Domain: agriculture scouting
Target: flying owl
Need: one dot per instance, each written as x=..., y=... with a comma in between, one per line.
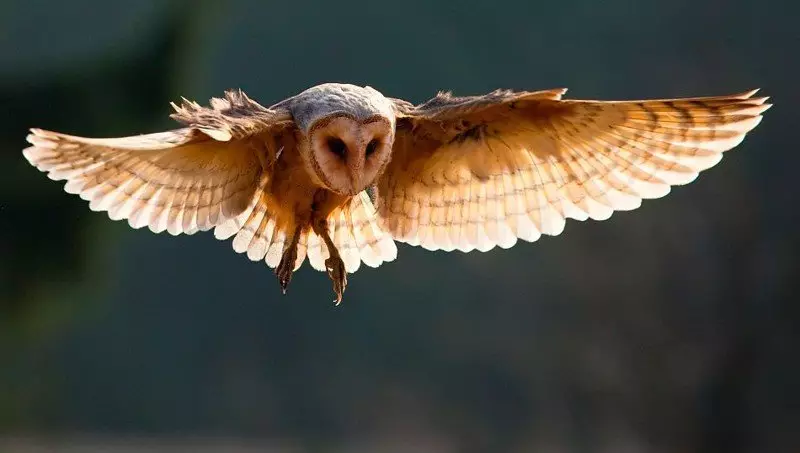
x=338, y=172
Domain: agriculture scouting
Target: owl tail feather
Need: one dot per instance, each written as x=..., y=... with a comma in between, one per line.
x=353, y=227
x=355, y=231
x=260, y=234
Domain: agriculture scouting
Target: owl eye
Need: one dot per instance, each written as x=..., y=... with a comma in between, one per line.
x=372, y=146
x=337, y=146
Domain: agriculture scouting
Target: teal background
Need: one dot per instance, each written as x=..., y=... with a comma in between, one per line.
x=673, y=328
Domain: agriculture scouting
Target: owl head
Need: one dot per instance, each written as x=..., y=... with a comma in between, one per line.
x=347, y=135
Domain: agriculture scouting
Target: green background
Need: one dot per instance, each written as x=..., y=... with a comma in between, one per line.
x=672, y=328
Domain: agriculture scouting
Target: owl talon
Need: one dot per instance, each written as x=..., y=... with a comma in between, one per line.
x=285, y=269
x=284, y=272
x=337, y=274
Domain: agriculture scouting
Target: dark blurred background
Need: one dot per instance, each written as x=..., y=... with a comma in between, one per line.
x=673, y=328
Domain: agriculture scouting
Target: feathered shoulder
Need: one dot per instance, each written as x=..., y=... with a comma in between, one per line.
x=232, y=116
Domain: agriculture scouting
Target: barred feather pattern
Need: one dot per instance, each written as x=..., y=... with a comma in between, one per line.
x=356, y=233
x=178, y=181
x=260, y=232
x=519, y=170
x=353, y=227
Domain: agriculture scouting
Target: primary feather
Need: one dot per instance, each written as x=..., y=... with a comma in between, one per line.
x=467, y=174
x=178, y=181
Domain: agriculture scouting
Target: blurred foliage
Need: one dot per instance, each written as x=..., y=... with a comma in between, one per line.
x=666, y=329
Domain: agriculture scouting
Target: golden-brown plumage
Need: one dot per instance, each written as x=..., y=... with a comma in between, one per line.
x=470, y=174
x=290, y=181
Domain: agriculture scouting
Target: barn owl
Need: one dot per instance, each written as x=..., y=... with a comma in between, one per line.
x=338, y=173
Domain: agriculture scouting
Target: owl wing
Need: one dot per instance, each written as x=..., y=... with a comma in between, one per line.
x=478, y=172
x=182, y=180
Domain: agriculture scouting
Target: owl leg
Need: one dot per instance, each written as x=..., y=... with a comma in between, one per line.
x=285, y=268
x=334, y=265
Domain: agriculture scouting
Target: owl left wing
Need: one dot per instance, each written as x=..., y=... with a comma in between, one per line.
x=478, y=172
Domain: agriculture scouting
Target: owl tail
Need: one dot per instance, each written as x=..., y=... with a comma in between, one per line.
x=353, y=227
x=357, y=235
x=259, y=233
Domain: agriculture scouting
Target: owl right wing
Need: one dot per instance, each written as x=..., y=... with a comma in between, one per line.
x=181, y=181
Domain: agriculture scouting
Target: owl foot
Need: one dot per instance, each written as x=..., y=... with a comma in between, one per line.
x=337, y=274
x=285, y=268
x=334, y=265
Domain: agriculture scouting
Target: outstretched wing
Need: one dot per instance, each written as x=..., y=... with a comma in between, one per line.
x=181, y=181
x=478, y=172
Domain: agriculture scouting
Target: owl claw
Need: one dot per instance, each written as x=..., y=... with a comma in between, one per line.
x=337, y=274
x=285, y=269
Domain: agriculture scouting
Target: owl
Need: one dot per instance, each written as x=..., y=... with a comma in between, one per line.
x=339, y=173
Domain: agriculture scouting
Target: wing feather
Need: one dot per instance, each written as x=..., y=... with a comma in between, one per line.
x=164, y=188
x=473, y=173
x=181, y=181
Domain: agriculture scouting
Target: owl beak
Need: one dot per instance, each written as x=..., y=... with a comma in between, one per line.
x=355, y=180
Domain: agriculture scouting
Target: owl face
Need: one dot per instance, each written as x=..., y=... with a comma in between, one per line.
x=347, y=154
